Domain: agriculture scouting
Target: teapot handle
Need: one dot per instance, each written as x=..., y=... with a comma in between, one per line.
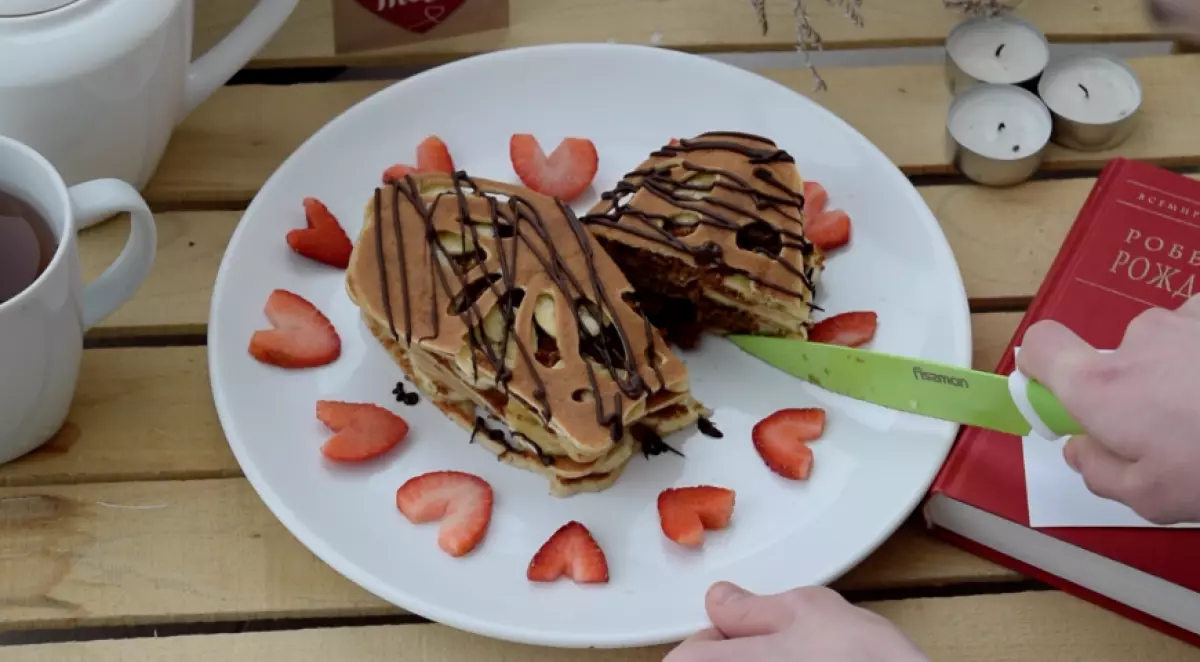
x=222, y=61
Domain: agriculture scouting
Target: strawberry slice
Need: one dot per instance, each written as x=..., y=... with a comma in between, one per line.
x=323, y=240
x=434, y=156
x=462, y=501
x=572, y=552
x=397, y=172
x=567, y=172
x=850, y=329
x=302, y=338
x=829, y=229
x=782, y=440
x=364, y=431
x=815, y=198
x=685, y=512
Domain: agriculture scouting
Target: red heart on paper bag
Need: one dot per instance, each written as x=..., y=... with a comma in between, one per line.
x=415, y=15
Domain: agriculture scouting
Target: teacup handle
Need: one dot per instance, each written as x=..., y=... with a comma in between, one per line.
x=96, y=200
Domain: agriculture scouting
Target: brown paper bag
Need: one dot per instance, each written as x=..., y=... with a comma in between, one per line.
x=369, y=24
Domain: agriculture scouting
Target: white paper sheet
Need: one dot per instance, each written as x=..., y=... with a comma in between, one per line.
x=1058, y=496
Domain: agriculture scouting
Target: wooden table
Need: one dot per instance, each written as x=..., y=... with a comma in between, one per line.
x=135, y=522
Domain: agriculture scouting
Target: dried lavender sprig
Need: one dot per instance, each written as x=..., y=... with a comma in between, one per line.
x=807, y=37
x=760, y=8
x=851, y=8
x=981, y=7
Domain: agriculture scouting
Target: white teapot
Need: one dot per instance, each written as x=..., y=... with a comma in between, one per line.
x=96, y=86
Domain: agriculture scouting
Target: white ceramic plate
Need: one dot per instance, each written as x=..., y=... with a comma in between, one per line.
x=871, y=468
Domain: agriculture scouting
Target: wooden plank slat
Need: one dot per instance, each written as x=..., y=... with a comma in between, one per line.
x=1004, y=241
x=147, y=414
x=138, y=414
x=998, y=628
x=224, y=152
x=195, y=550
x=693, y=25
x=175, y=297
x=209, y=550
x=128, y=553
x=116, y=554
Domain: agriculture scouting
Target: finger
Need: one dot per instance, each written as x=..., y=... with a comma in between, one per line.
x=707, y=634
x=1105, y=473
x=1062, y=361
x=694, y=645
x=749, y=649
x=739, y=613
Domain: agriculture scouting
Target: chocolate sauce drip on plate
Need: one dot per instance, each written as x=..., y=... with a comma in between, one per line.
x=409, y=399
x=707, y=428
x=711, y=211
x=652, y=444
x=610, y=347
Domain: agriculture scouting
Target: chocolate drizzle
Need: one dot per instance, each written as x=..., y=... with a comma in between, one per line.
x=664, y=182
x=756, y=155
x=518, y=232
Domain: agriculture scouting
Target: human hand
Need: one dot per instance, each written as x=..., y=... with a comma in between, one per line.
x=1178, y=16
x=1140, y=405
x=806, y=624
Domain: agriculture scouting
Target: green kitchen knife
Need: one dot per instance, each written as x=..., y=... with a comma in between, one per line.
x=1013, y=404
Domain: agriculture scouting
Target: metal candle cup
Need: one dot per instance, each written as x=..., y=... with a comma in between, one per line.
x=1094, y=98
x=998, y=134
x=999, y=49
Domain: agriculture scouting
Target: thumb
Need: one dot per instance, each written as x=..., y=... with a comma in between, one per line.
x=1058, y=358
x=737, y=613
x=1105, y=473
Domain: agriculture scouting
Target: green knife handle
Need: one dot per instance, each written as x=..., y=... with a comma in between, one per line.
x=1043, y=410
x=1051, y=410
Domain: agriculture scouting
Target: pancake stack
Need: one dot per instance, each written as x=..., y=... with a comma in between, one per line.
x=504, y=310
x=710, y=231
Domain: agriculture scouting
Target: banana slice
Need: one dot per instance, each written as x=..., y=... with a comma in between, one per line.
x=493, y=325
x=590, y=325
x=686, y=218
x=739, y=283
x=702, y=181
x=544, y=314
x=456, y=244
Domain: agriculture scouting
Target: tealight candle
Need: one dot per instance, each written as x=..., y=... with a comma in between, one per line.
x=1094, y=98
x=995, y=49
x=998, y=133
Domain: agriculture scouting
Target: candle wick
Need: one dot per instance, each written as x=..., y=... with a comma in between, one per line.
x=1086, y=94
x=1001, y=128
x=999, y=48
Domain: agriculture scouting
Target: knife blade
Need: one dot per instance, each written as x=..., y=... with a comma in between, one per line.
x=926, y=388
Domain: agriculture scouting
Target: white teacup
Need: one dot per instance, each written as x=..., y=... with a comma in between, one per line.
x=41, y=328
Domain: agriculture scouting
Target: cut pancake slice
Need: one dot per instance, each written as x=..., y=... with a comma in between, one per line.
x=502, y=308
x=710, y=231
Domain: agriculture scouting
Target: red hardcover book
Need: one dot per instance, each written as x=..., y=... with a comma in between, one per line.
x=1135, y=245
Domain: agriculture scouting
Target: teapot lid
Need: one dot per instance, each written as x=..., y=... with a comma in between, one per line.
x=15, y=8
